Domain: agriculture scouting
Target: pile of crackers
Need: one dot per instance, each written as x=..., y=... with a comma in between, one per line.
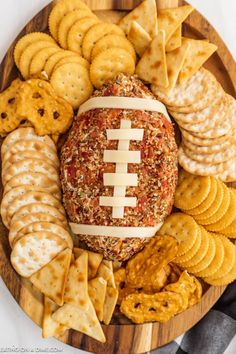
x=166, y=58
x=79, y=287
x=81, y=295
x=81, y=52
x=31, y=206
x=204, y=228
x=206, y=116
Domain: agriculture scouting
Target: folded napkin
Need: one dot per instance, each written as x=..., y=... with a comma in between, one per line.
x=213, y=334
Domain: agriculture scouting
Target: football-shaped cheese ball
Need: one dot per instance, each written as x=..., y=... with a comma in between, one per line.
x=83, y=166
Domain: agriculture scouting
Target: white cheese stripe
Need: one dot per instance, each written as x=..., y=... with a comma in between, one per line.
x=118, y=156
x=118, y=201
x=120, y=179
x=134, y=103
x=125, y=134
x=114, y=231
x=120, y=191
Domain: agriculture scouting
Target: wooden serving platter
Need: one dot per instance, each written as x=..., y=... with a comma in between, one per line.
x=122, y=337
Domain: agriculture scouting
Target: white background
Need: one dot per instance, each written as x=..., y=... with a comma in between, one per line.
x=15, y=328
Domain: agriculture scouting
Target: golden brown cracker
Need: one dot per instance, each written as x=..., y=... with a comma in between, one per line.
x=191, y=190
x=71, y=82
x=109, y=63
x=95, y=33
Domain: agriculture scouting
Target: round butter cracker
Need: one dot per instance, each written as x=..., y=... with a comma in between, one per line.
x=108, y=64
x=68, y=21
x=71, y=81
x=95, y=33
x=60, y=9
x=28, y=39
x=191, y=190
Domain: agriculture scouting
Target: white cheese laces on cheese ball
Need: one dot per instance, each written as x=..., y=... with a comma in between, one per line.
x=115, y=231
x=118, y=102
x=121, y=178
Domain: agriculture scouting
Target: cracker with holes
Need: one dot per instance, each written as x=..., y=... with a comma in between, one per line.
x=33, y=251
x=24, y=134
x=68, y=21
x=95, y=33
x=46, y=226
x=28, y=39
x=77, y=33
x=48, y=113
x=71, y=82
x=108, y=64
x=186, y=94
x=53, y=60
x=39, y=60
x=9, y=120
x=74, y=58
x=113, y=41
x=28, y=219
x=30, y=52
x=30, y=149
x=60, y=9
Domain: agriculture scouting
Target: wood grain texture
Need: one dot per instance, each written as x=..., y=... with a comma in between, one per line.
x=122, y=337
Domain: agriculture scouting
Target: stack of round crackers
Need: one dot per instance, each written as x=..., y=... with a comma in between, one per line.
x=205, y=254
x=204, y=249
x=31, y=205
x=206, y=116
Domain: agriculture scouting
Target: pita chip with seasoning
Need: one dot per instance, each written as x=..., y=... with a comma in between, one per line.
x=139, y=38
x=175, y=40
x=170, y=19
x=174, y=62
x=110, y=304
x=199, y=52
x=106, y=272
x=145, y=14
x=51, y=279
x=97, y=293
x=80, y=320
x=50, y=327
x=152, y=66
x=94, y=261
x=76, y=291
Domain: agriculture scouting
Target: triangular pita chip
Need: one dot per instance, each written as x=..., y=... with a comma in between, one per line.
x=145, y=14
x=94, y=261
x=108, y=264
x=110, y=304
x=106, y=272
x=152, y=66
x=80, y=320
x=199, y=52
x=76, y=292
x=174, y=62
x=139, y=38
x=51, y=328
x=51, y=279
x=170, y=19
x=175, y=40
x=97, y=293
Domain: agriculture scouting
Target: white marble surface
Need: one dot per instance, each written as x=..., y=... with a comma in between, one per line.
x=15, y=328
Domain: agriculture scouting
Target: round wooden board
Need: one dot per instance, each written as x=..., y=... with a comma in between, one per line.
x=122, y=338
